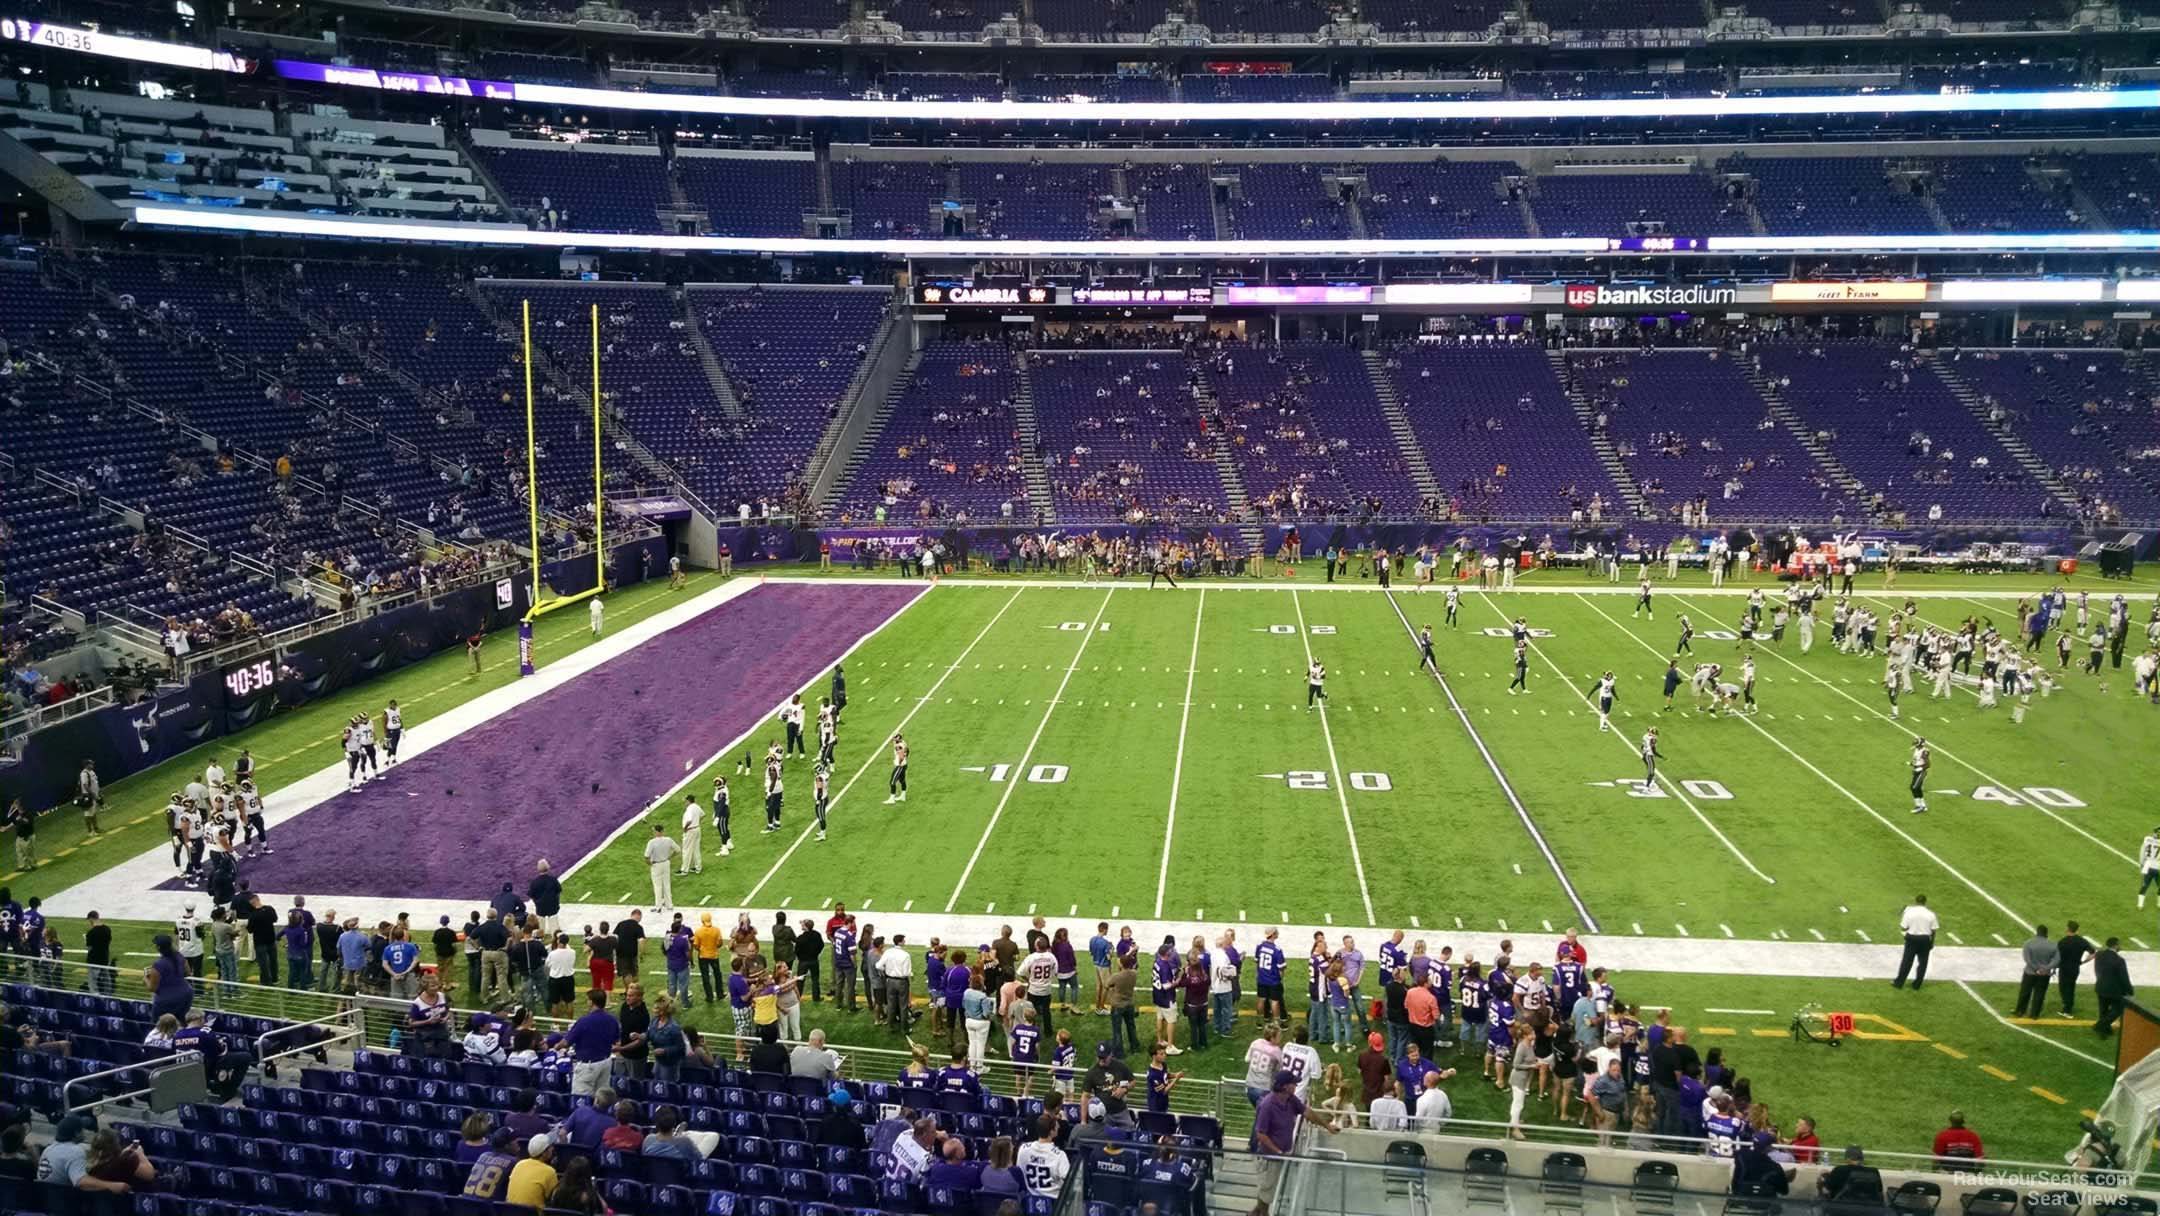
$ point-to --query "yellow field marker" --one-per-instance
(2056, 1098)
(1998, 1073)
(2090, 1114)
(2048, 1022)
(1760, 1033)
(1950, 1051)
(1715, 1030)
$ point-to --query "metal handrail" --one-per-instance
(356, 1028)
(178, 1057)
(39, 717)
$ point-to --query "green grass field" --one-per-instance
(1088, 754)
(1049, 726)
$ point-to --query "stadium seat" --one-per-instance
(1916, 1197)
(1484, 1181)
(1560, 1181)
(1990, 1201)
(1653, 1189)
(1405, 1173)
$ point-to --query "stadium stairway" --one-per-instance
(1030, 430)
(1235, 1188)
(1824, 458)
(723, 390)
(851, 460)
(1406, 440)
(1226, 466)
(2012, 442)
(1608, 456)
(874, 377)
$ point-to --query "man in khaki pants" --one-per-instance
(494, 939)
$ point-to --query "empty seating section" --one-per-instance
(1900, 430)
(1121, 87)
(1308, 432)
(2086, 413)
(950, 448)
(1034, 200)
(2021, 13)
(790, 355)
(1120, 432)
(642, 358)
(1606, 82)
(1497, 430)
(1691, 426)
(751, 195)
(1816, 12)
(132, 149)
(1603, 204)
(1604, 15)
(1093, 18)
(395, 168)
(1172, 201)
(1264, 86)
(1472, 16)
(604, 189)
(1264, 17)
(792, 84)
(947, 16)
(2126, 188)
(1441, 200)
(528, 68)
(944, 86)
(1996, 194)
(798, 14)
(1820, 195)
(890, 198)
(1286, 202)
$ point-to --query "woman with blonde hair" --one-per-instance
(916, 1072)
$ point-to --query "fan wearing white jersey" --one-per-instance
(393, 722)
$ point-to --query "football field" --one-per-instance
(1120, 753)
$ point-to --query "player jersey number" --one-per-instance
(2037, 795)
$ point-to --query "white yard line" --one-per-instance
(1014, 784)
(1833, 783)
(872, 755)
(2027, 1030)
(1335, 776)
(1968, 766)
(1177, 767)
(1622, 739)
(1582, 910)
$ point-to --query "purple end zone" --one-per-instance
(461, 818)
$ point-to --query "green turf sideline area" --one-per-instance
(1048, 725)
(300, 741)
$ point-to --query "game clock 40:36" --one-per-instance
(247, 679)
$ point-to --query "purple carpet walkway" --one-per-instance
(458, 820)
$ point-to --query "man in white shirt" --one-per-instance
(1039, 972)
(1043, 1165)
(1299, 1057)
(595, 613)
(897, 967)
(1531, 990)
(214, 776)
(693, 832)
(1919, 925)
(659, 856)
(1389, 1113)
(1434, 1108)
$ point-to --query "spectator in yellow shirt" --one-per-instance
(532, 1182)
(707, 939)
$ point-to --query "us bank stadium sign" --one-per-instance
(1599, 295)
